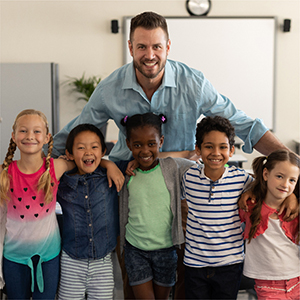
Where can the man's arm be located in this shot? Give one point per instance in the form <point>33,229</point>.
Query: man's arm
<point>92,113</point>
<point>268,143</point>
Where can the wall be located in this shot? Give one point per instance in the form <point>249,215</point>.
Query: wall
<point>77,36</point>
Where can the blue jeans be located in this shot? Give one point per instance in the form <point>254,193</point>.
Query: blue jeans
<point>213,282</point>
<point>18,279</point>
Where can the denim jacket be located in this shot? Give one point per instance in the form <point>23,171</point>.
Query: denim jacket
<point>90,213</point>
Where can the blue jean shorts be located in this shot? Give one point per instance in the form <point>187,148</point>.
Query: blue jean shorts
<point>157,265</point>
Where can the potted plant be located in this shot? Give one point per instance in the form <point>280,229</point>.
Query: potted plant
<point>84,86</point>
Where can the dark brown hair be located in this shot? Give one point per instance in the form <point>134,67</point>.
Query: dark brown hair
<point>148,20</point>
<point>141,120</point>
<point>216,123</point>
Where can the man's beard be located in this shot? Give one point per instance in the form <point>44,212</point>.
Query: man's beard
<point>139,67</point>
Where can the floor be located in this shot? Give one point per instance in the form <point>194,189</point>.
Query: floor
<point>118,291</point>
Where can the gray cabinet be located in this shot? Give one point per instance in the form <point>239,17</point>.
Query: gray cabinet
<point>23,86</point>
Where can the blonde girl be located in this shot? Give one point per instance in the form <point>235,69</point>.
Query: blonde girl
<point>28,222</point>
<point>272,253</point>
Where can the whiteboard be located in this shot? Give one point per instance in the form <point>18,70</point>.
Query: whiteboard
<point>236,54</point>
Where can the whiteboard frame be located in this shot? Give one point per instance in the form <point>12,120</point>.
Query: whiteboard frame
<point>266,109</point>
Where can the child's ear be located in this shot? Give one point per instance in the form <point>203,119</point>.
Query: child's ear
<point>128,144</point>
<point>69,155</point>
<point>13,136</point>
<point>231,151</point>
<point>197,150</point>
<point>265,174</point>
<point>47,139</point>
<point>103,152</point>
<point>162,138</point>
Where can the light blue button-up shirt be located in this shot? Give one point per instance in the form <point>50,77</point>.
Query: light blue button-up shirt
<point>184,95</point>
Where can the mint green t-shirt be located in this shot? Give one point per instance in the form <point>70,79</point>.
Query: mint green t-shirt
<point>150,217</point>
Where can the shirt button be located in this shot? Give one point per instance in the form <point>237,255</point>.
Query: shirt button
<point>90,225</point>
<point>213,187</point>
<point>212,194</point>
<point>86,196</point>
<point>88,211</point>
<point>91,240</point>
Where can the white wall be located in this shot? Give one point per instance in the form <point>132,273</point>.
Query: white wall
<point>77,36</point>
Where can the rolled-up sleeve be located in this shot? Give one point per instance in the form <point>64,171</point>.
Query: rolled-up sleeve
<point>249,130</point>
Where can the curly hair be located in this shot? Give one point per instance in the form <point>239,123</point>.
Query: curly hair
<point>44,183</point>
<point>216,123</point>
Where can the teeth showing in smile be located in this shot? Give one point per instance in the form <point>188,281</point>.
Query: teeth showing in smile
<point>88,161</point>
<point>145,158</point>
<point>215,160</point>
<point>150,64</point>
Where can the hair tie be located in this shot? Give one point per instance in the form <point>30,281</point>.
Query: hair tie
<point>48,169</point>
<point>265,160</point>
<point>125,119</point>
<point>163,119</point>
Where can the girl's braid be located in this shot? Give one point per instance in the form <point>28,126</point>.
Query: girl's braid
<point>4,177</point>
<point>10,154</point>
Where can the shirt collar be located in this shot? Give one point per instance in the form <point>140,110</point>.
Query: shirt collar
<point>203,176</point>
<point>266,211</point>
<point>130,81</point>
<point>73,180</point>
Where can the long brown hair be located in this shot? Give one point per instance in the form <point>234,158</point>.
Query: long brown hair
<point>259,187</point>
<point>44,181</point>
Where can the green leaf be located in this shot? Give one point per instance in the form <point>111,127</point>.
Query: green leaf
<point>83,85</point>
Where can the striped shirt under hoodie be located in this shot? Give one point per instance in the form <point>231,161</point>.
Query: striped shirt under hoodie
<point>213,232</point>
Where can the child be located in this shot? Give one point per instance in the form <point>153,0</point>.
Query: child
<point>90,219</point>
<point>272,256</point>
<point>150,216</point>
<point>28,221</point>
<point>214,250</point>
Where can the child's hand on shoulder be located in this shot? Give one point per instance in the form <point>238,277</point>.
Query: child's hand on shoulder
<point>65,157</point>
<point>246,196</point>
<point>113,174</point>
<point>132,165</point>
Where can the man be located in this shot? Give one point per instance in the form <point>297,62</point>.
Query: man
<point>152,83</point>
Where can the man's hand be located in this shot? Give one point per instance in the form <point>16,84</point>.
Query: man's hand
<point>291,205</point>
